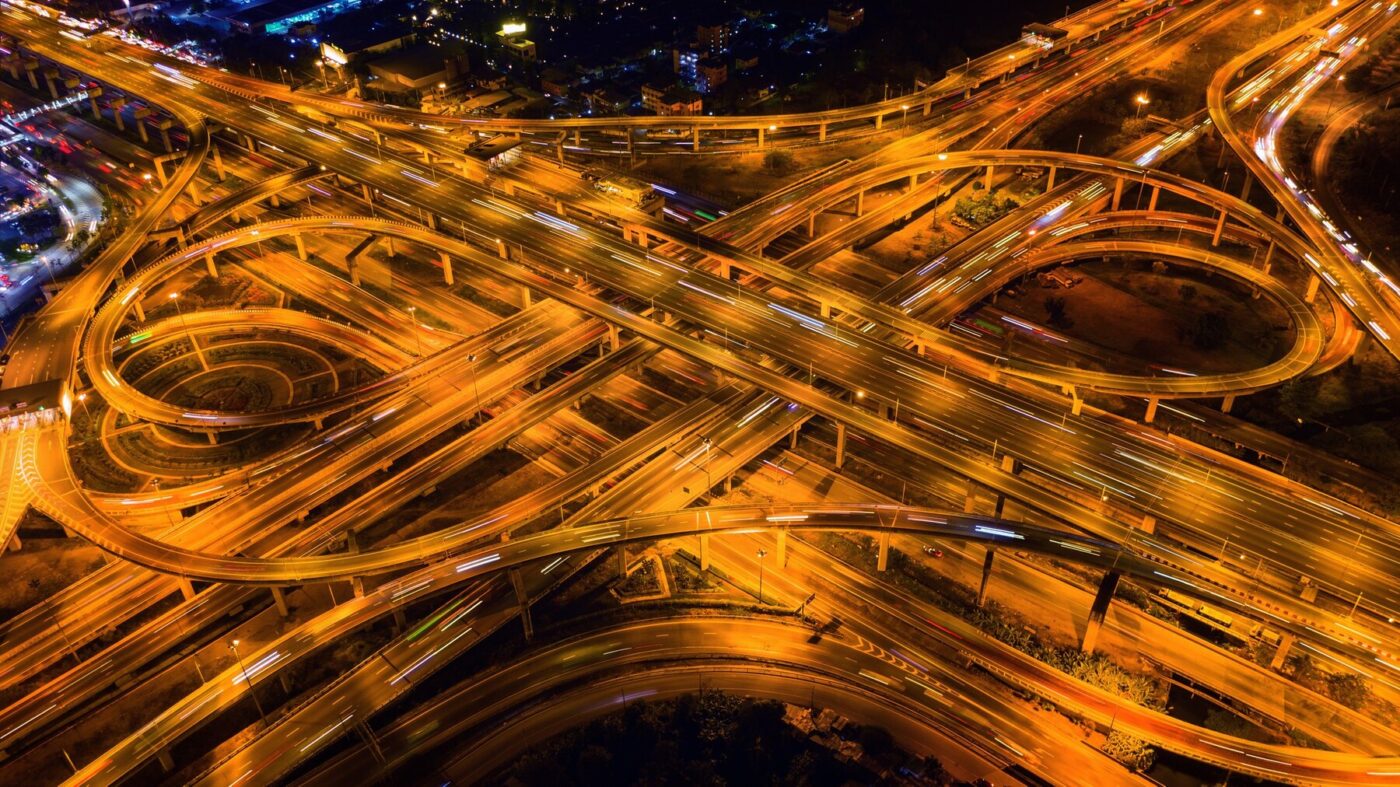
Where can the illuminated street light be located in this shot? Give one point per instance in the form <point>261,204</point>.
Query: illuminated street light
<point>1141,100</point>
<point>762,553</point>
<point>417,341</point>
<point>471,359</point>
<point>233,646</point>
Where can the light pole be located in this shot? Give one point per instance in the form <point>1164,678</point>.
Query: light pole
<point>471,359</point>
<point>233,646</point>
<point>1077,143</point>
<point>762,553</point>
<point>1141,100</point>
<point>705,465</point>
<point>413,326</point>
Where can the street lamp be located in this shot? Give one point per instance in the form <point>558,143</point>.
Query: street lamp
<point>762,553</point>
<point>471,359</point>
<point>233,646</point>
<point>413,326</point>
<point>1141,100</point>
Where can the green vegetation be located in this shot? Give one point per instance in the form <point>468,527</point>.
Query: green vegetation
<point>984,208</point>
<point>712,738</point>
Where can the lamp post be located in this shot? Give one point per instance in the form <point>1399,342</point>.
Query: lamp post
<point>413,326</point>
<point>762,553</point>
<point>471,359</point>
<point>1141,100</point>
<point>233,646</point>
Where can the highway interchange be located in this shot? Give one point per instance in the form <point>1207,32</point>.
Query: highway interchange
<point>772,347</point>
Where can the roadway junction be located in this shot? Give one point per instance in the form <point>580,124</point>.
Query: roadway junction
<point>450,313</point>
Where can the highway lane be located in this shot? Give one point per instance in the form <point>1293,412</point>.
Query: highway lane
<point>1301,764</point>
<point>1370,294</point>
<point>747,426</point>
<point>628,661</point>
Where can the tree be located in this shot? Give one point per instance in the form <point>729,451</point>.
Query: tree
<point>1132,752</point>
<point>779,161</point>
<point>1055,309</point>
<point>1349,689</point>
<point>1212,331</point>
<point>1187,293</point>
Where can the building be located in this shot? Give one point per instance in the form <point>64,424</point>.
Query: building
<point>420,67</point>
<point>513,42</point>
<point>713,37</point>
<point>710,73</point>
<point>557,82</point>
<point>671,100</point>
<point>606,100</point>
<point>277,17</point>
<point>845,17</point>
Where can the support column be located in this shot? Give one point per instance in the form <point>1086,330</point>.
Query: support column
<point>860,203</point>
<point>524,296</point>
<point>1219,228</point>
<point>167,763</point>
<point>825,307</point>
<point>164,128</point>
<point>1269,256</point>
<point>879,122</point>
<point>621,561</point>
<point>1285,644</point>
<point>301,246</point>
<point>1228,404</point>
<point>352,545</point>
<point>987,178</point>
<point>1009,465</point>
<point>614,338</point>
<point>1151,410</point>
<point>986,575</point>
<point>1050,184</point>
<point>1248,182</point>
<point>1117,193</point>
<point>186,588</point>
<point>389,246</point>
<point>781,557</point>
<point>523,598</point>
<point>812,224</point>
<point>218,163</point>
<point>840,445</point>
<point>353,268</point>
<point>970,501</point>
<point>366,193</point>
<point>1152,201</point>
<point>446,268</point>
<point>93,95</point>
<point>821,132</point>
<point>760,136</point>
<point>140,115</point>
<point>704,551</point>
<point>116,105</point>
<point>280,599</point>
<point>1313,283</point>
<point>140,312</point>
<point>882,561</point>
<point>695,138</point>
<point>1107,588</point>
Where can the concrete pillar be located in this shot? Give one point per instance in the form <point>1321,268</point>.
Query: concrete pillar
<point>970,501</point>
<point>986,575</point>
<point>1152,200</point>
<point>879,122</point>
<point>825,307</point>
<point>1148,524</point>
<point>280,599</point>
<point>167,763</point>
<point>1010,465</point>
<point>1248,182</point>
<point>164,128</point>
<point>1269,256</point>
<point>446,268</point>
<point>504,253</point>
<point>523,598</point>
<point>1050,184</point>
<point>140,115</point>
<point>1219,228</point>
<point>614,338</point>
<point>301,246</point>
<point>704,551</point>
<point>389,246</point>
<point>882,560</point>
<point>840,445</point>
<point>275,200</point>
<point>860,203</point>
<point>1313,283</point>
<point>366,193</point>
<point>781,557</point>
<point>821,132</point>
<point>524,296</point>
<point>1151,410</point>
<point>186,588</point>
<point>352,545</point>
<point>1117,193</point>
<point>621,561</point>
<point>792,439</point>
<point>354,270</point>
<point>812,224</point>
<point>15,543</point>
<point>30,67</point>
<point>760,136</point>
<point>987,178</point>
<point>93,95</point>
<point>116,105</point>
<point>50,77</point>
<point>140,312</point>
<point>1285,644</point>
<point>218,163</point>
<point>1107,588</point>
<point>695,138</point>
<point>1228,403</point>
